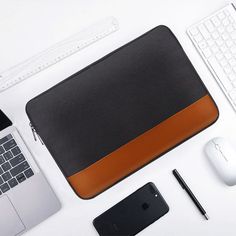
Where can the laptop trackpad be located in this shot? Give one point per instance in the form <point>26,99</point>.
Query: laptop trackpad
<point>10,222</point>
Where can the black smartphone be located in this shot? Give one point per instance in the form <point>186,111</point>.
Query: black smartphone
<point>132,214</point>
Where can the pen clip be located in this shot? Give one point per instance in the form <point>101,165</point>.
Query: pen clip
<point>178,177</point>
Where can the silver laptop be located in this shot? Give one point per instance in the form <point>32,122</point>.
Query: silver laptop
<point>26,198</point>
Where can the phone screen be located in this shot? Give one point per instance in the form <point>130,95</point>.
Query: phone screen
<point>4,121</point>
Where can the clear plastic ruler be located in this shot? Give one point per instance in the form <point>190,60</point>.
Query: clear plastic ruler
<point>57,52</point>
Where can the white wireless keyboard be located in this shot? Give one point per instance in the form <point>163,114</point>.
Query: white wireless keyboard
<point>215,39</point>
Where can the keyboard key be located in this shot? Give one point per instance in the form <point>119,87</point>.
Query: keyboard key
<point>209,26</point>
<point>1,160</point>
<point>10,144</point>
<point>223,48</point>
<point>219,42</point>
<point>210,42</point>
<point>16,150</point>
<point>231,19</point>
<point>229,43</point>
<point>215,49</point>
<point>194,31</point>
<point>1,180</point>
<point>6,176</point>
<point>233,35</point>
<point>221,29</point>
<point>230,28</point>
<point>28,173</point>
<point>17,160</point>
<point>5,139</point>
<point>1,150</point>
<point>20,178</point>
<point>203,45</point>
<point>20,168</point>
<point>6,166</point>
<point>233,50</point>
<point>215,35</point>
<point>221,15</point>
<point>226,12</point>
<point>232,62</point>
<point>216,21</point>
<point>219,56</point>
<point>225,22</point>
<point>227,69</point>
<point>234,84</point>
<point>232,77</point>
<point>12,183</point>
<point>8,155</point>
<point>232,94</point>
<point>223,63</point>
<point>206,52</point>
<point>5,187</point>
<point>228,55</point>
<point>225,36</point>
<point>204,32</point>
<point>198,38</point>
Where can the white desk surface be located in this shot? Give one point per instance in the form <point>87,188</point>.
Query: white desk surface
<point>29,26</point>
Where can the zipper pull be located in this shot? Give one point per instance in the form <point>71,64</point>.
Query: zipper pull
<point>35,134</point>
<point>33,131</point>
<point>41,141</point>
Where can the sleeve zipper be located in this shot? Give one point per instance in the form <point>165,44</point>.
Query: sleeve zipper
<point>35,134</point>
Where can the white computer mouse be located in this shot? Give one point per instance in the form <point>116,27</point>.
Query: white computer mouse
<point>222,156</point>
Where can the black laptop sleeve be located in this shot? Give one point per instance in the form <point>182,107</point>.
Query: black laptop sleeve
<point>123,111</point>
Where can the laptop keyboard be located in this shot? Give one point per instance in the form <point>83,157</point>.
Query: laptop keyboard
<point>14,169</point>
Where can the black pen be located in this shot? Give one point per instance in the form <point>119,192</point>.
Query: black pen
<point>190,193</point>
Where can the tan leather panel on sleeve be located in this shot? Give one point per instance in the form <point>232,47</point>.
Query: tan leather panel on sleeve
<point>145,148</point>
